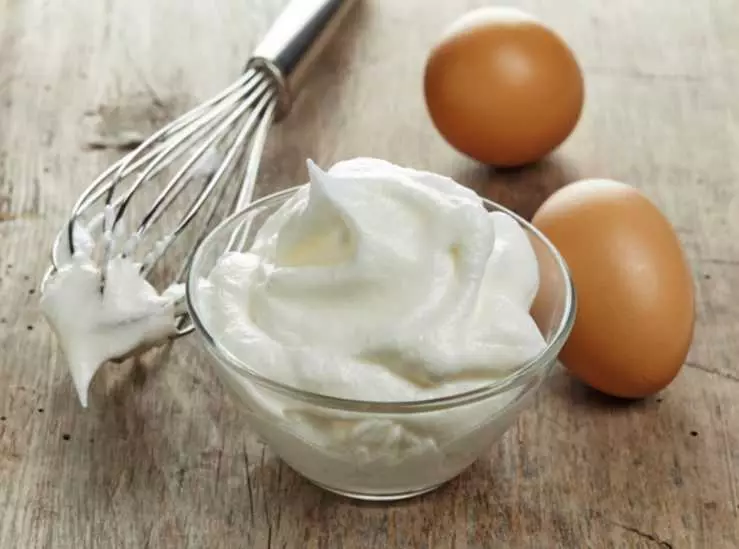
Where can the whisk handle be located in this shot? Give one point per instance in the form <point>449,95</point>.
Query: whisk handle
<point>295,39</point>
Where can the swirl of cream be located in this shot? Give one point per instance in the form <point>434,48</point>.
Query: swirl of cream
<point>379,282</point>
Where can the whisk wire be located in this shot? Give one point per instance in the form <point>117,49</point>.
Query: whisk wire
<point>177,184</point>
<point>195,119</point>
<point>237,241</point>
<point>221,118</point>
<point>204,133</point>
<point>225,167</point>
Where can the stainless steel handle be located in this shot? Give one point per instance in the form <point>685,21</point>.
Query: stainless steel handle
<point>294,40</point>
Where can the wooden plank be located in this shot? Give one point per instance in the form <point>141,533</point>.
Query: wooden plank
<point>164,458</point>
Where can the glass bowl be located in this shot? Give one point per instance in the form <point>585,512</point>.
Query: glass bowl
<point>382,450</point>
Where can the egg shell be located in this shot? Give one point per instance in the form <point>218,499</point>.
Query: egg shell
<point>502,87</point>
<point>635,292</point>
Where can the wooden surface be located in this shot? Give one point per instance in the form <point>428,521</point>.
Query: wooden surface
<point>164,459</point>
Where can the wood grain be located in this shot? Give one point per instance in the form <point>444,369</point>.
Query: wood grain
<point>164,459</point>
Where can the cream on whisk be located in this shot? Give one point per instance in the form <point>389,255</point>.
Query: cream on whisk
<point>95,326</point>
<point>377,282</point>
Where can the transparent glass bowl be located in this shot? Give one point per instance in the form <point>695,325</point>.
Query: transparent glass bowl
<point>382,450</point>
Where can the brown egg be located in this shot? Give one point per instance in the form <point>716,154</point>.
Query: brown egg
<point>635,303</point>
<point>502,87</point>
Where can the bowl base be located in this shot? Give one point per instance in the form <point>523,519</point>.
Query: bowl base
<point>392,496</point>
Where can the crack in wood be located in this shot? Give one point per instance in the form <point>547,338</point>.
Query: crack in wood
<point>124,141</point>
<point>248,485</point>
<point>268,519</point>
<point>180,477</point>
<point>147,543</point>
<point>266,507</point>
<point>719,261</point>
<point>727,456</point>
<point>725,375</point>
<point>219,460</point>
<point>279,489</point>
<point>645,535</point>
<point>649,76</point>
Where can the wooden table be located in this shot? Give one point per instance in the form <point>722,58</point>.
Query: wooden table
<point>163,458</point>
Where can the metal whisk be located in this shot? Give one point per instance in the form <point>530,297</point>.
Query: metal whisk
<point>231,127</point>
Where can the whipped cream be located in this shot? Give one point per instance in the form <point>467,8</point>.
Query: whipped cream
<point>379,283</point>
<point>94,327</point>
<point>376,282</point>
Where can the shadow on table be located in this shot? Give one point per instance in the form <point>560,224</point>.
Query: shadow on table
<point>579,395</point>
<point>522,190</point>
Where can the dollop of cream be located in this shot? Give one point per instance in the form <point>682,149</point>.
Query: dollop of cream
<point>377,282</point>
<point>94,326</point>
<point>382,283</point>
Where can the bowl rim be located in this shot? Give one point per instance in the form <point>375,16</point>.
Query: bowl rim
<point>540,363</point>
